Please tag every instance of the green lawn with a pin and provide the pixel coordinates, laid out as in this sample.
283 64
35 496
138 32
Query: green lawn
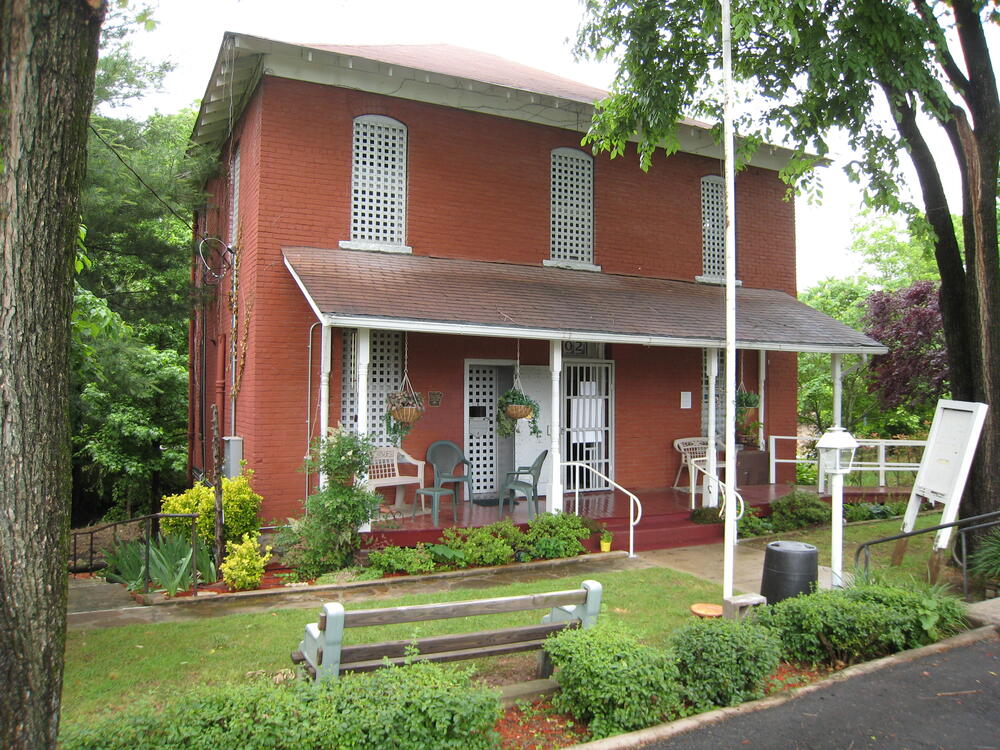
108 669
913 567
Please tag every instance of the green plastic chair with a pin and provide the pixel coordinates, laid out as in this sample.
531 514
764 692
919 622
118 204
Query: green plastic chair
444 456
513 485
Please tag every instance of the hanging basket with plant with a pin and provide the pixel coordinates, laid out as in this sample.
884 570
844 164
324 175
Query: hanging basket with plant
403 407
515 405
747 425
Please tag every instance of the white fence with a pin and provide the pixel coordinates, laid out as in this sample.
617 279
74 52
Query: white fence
880 457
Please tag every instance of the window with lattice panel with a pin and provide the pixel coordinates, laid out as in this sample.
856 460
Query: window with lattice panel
378 181
572 206
713 227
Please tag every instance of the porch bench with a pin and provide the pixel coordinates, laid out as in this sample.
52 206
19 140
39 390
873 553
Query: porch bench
322 655
384 472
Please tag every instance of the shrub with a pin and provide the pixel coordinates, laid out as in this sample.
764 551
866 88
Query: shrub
240 505
930 612
751 524
607 678
244 564
327 538
985 561
806 474
873 511
797 509
565 528
724 662
445 556
835 628
706 515
412 560
479 546
406 708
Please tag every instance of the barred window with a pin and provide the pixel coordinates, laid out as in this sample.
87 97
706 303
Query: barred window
572 206
378 181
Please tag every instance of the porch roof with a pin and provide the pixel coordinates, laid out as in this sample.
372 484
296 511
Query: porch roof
360 289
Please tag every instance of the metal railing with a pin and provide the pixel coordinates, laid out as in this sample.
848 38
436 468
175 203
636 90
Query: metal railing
634 507
721 487
882 463
93 564
965 525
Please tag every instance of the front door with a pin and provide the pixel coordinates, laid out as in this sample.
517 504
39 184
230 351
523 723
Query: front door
588 419
537 383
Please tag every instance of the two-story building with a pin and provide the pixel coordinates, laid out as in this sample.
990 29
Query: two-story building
429 210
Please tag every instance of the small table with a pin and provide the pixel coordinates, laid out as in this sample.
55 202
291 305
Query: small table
435 494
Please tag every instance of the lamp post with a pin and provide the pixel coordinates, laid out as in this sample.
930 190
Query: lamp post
836 452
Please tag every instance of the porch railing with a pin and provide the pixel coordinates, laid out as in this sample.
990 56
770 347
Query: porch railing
634 507
721 488
872 455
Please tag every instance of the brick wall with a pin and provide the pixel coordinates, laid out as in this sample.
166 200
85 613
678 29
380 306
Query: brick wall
478 188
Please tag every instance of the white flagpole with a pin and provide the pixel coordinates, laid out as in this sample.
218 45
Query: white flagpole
730 192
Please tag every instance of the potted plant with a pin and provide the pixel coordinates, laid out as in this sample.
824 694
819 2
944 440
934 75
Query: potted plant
512 406
606 537
746 416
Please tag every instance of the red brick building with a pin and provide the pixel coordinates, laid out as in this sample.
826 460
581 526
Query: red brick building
430 209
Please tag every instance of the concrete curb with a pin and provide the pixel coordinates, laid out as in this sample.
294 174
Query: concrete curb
293 592
682 726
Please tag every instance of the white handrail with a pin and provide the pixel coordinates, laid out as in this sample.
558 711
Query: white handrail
634 507
740 502
882 465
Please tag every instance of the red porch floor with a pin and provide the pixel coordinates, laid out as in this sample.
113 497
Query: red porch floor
665 516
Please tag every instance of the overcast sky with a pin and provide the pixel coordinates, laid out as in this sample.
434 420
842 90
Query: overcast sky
538 33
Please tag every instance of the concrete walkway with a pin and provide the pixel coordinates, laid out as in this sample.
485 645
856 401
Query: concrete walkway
95 604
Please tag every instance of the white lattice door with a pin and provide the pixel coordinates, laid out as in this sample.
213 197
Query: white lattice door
480 436
588 419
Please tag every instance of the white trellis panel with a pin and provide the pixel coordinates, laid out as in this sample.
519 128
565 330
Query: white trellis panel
572 206
378 181
481 438
588 419
713 227
385 373
720 394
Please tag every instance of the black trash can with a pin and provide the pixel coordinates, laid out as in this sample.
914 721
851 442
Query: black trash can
790 569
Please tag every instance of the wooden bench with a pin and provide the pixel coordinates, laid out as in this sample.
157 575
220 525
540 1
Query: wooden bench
323 656
384 472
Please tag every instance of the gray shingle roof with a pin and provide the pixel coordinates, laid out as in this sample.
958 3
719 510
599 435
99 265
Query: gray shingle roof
412 292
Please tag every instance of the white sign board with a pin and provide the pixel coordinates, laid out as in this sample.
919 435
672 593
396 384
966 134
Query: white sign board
946 461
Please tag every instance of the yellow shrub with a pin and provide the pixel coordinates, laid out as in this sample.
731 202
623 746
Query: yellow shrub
244 564
240 505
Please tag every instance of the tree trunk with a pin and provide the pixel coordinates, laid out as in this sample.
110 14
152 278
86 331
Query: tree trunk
970 290
48 51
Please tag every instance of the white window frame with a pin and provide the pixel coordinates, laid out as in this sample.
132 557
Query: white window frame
572 231
379 170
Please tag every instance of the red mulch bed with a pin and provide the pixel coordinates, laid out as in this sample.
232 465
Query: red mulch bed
536 725
272 580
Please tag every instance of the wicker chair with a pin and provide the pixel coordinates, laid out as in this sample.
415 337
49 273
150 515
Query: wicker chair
694 456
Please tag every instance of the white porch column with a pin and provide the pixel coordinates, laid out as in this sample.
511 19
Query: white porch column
554 501
364 339
325 356
835 364
710 498
761 382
